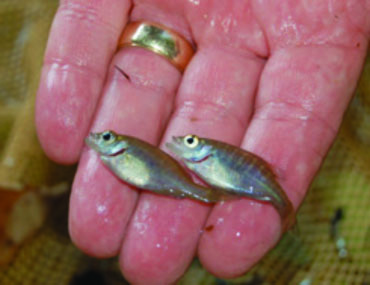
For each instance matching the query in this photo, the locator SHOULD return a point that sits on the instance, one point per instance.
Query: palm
(272, 77)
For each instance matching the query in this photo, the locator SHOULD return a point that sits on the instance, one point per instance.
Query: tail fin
(287, 214)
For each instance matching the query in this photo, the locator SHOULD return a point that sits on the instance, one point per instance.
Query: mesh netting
(308, 256)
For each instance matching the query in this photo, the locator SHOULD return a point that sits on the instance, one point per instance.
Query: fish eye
(107, 136)
(191, 141)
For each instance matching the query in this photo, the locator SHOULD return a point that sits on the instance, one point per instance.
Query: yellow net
(311, 256)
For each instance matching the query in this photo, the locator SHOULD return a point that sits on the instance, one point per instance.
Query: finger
(136, 101)
(303, 94)
(82, 40)
(216, 90)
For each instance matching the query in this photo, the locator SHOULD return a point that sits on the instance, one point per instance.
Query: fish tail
(280, 201)
(287, 214)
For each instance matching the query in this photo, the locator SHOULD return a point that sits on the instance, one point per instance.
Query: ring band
(160, 40)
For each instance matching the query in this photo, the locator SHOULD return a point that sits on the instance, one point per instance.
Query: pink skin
(272, 76)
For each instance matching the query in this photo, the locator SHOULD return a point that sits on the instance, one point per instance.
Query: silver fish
(229, 168)
(145, 166)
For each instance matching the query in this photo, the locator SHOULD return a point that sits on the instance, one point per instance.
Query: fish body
(145, 166)
(231, 169)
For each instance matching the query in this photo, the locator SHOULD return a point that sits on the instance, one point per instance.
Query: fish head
(107, 143)
(190, 148)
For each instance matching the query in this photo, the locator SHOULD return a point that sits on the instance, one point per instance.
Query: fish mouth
(91, 139)
(175, 146)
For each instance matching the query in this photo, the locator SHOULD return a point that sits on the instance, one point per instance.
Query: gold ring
(160, 40)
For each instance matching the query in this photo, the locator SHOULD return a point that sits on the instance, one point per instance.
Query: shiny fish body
(233, 170)
(147, 167)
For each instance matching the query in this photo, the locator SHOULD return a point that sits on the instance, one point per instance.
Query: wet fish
(147, 167)
(234, 170)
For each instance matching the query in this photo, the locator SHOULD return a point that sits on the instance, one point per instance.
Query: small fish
(234, 170)
(147, 167)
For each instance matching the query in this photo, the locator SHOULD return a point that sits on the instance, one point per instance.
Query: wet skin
(273, 77)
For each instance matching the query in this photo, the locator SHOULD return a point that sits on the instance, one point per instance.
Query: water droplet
(195, 2)
(220, 220)
(101, 209)
(140, 227)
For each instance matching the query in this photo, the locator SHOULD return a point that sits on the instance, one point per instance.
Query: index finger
(81, 43)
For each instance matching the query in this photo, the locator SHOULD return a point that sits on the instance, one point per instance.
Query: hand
(273, 77)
